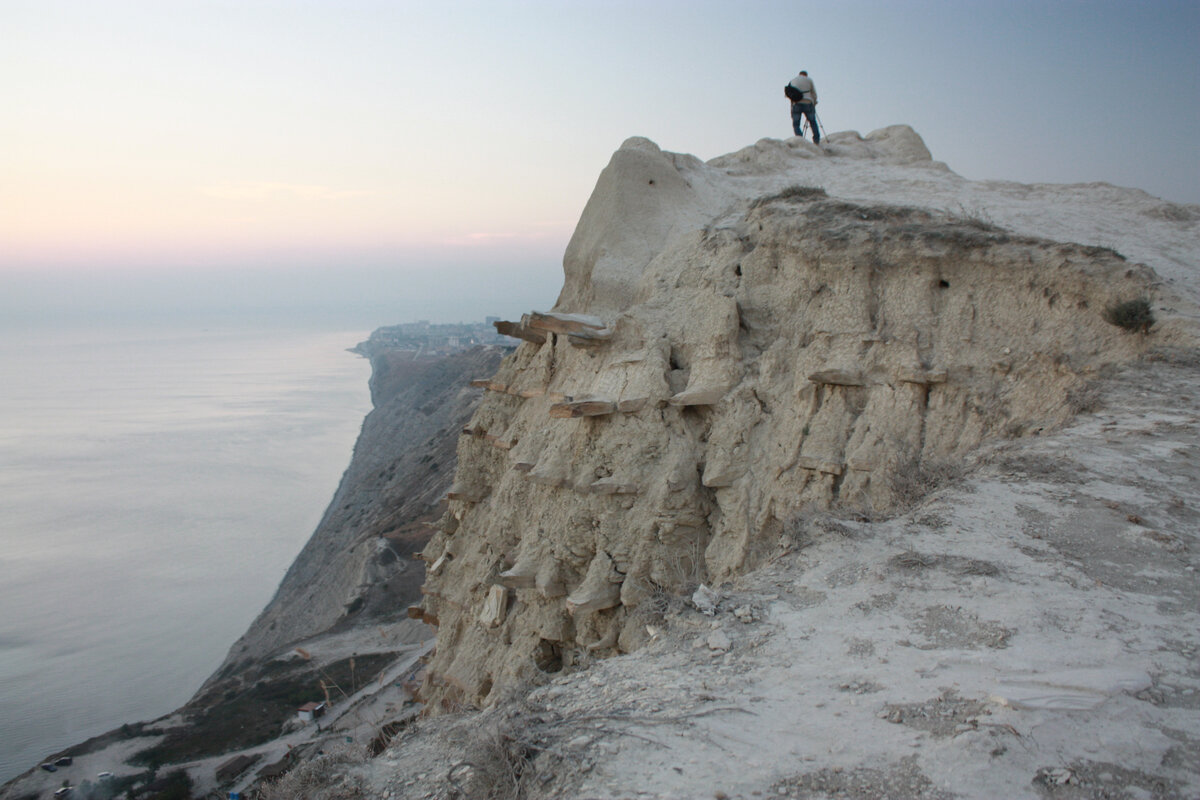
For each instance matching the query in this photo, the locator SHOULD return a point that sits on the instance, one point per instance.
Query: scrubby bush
(1132, 315)
(974, 217)
(792, 194)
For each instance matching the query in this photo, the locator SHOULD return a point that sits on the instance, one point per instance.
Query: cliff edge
(735, 347)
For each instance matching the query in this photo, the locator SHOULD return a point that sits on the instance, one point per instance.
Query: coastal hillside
(358, 566)
(831, 473)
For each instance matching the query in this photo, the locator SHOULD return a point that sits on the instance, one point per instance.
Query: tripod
(804, 125)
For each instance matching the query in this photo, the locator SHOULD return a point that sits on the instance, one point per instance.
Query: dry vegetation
(1135, 316)
(329, 776)
(912, 481)
(792, 194)
(233, 716)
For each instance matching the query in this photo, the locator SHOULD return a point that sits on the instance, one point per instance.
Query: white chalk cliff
(739, 342)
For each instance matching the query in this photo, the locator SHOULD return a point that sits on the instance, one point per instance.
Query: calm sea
(155, 483)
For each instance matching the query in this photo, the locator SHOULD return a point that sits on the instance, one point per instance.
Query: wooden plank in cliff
(584, 407)
(580, 329)
(518, 330)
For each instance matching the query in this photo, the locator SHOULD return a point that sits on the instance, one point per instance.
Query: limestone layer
(717, 363)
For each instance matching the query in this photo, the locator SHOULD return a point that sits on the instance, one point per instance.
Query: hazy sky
(450, 147)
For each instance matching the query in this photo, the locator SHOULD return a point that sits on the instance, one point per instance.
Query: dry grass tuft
(792, 194)
(974, 217)
(1085, 398)
(810, 526)
(913, 480)
(329, 776)
(912, 561)
(499, 752)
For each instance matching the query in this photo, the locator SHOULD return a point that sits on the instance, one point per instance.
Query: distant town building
(424, 339)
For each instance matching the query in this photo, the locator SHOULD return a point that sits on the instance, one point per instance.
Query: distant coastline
(426, 339)
(404, 357)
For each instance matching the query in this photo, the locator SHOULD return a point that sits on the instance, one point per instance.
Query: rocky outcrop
(359, 563)
(721, 359)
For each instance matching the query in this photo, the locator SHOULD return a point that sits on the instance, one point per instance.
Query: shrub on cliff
(1132, 315)
(792, 194)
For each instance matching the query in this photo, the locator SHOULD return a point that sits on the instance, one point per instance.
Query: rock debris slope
(733, 348)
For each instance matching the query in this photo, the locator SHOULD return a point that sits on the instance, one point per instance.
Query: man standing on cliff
(804, 104)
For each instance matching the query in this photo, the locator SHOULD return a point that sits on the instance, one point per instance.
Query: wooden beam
(552, 322)
(837, 377)
(585, 407)
(518, 330)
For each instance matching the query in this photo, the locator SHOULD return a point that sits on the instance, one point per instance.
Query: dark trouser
(799, 112)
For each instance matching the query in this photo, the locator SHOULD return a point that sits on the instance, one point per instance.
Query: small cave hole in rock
(738, 270)
(548, 656)
(355, 605)
(944, 284)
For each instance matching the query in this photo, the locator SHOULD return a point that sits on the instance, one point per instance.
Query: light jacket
(805, 85)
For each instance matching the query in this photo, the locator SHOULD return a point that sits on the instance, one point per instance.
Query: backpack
(793, 94)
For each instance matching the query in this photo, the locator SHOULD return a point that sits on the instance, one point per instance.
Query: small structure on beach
(311, 711)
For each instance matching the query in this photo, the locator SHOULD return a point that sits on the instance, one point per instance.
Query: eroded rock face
(759, 355)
